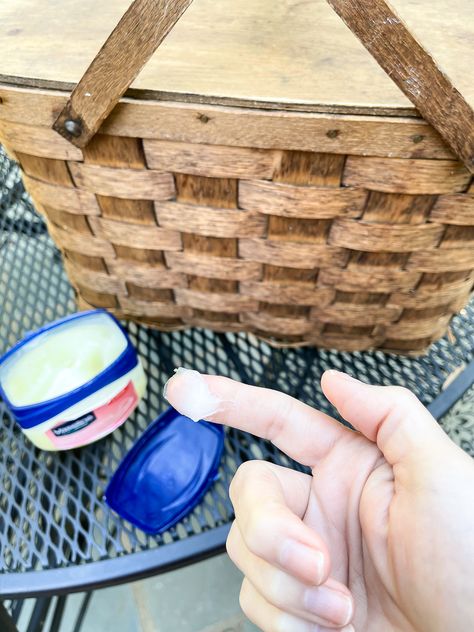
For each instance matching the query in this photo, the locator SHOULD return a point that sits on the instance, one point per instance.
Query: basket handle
(414, 70)
(141, 30)
(147, 22)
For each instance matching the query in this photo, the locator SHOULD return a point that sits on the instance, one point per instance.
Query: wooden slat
(85, 261)
(68, 221)
(454, 209)
(230, 303)
(442, 260)
(124, 210)
(63, 198)
(414, 71)
(288, 229)
(346, 313)
(373, 237)
(150, 276)
(153, 295)
(305, 167)
(145, 309)
(404, 138)
(38, 141)
(284, 311)
(291, 254)
(93, 299)
(83, 244)
(148, 237)
(281, 293)
(353, 278)
(98, 281)
(301, 202)
(141, 30)
(139, 255)
(432, 295)
(214, 267)
(277, 325)
(249, 127)
(45, 169)
(201, 190)
(395, 175)
(344, 342)
(414, 329)
(458, 237)
(217, 161)
(397, 208)
(114, 151)
(208, 221)
(135, 184)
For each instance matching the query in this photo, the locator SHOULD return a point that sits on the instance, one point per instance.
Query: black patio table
(57, 536)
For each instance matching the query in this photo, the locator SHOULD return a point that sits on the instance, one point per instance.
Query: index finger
(300, 431)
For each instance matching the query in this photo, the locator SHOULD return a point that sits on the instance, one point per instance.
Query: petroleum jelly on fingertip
(191, 395)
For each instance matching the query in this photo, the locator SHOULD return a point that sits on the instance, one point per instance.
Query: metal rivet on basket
(73, 127)
(417, 138)
(333, 133)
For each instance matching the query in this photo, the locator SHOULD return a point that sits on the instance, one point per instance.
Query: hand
(381, 534)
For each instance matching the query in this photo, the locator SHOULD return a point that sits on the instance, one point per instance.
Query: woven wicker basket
(339, 230)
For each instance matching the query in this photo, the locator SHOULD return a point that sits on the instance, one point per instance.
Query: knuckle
(258, 527)
(246, 472)
(404, 396)
(283, 411)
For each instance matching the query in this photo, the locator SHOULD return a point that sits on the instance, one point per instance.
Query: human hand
(380, 538)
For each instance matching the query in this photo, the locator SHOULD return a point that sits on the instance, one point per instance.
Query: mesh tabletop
(53, 517)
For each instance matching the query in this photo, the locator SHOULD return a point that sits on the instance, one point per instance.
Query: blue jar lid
(35, 414)
(167, 472)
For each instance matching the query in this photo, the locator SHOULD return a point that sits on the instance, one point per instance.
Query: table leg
(40, 613)
(82, 612)
(58, 614)
(6, 622)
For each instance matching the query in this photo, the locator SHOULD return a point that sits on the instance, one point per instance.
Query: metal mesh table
(56, 533)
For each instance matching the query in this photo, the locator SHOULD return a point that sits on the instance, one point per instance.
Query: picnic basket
(261, 173)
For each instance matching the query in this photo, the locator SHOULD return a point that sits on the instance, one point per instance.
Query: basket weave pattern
(343, 251)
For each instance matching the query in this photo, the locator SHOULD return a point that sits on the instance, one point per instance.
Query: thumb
(390, 416)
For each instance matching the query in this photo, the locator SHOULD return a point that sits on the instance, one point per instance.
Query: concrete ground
(203, 597)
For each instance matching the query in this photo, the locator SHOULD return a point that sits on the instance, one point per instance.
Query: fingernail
(343, 376)
(328, 604)
(295, 556)
(189, 393)
(165, 387)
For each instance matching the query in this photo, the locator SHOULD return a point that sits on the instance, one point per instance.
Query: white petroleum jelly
(62, 361)
(191, 395)
(65, 359)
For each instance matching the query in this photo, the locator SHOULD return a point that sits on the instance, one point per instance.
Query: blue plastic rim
(35, 414)
(167, 472)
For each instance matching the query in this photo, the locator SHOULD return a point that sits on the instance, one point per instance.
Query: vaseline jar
(73, 381)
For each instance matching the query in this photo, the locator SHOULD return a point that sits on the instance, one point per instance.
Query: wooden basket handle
(147, 22)
(141, 30)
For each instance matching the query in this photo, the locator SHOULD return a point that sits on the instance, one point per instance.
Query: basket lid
(285, 53)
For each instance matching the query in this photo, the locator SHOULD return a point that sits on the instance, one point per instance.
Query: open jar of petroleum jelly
(73, 381)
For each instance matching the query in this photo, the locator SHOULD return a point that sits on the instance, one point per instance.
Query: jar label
(96, 423)
(74, 425)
